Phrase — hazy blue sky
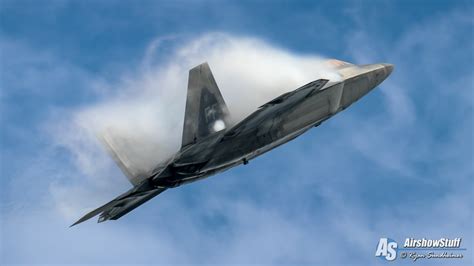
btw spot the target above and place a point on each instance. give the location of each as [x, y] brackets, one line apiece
[398, 163]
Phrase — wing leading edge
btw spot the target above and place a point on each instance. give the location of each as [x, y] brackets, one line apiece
[124, 203]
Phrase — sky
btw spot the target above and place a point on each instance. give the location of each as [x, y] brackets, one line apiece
[398, 163]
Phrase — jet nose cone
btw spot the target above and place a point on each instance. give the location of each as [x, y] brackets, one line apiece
[388, 69]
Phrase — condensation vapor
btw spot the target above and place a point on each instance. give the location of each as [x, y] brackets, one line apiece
[143, 115]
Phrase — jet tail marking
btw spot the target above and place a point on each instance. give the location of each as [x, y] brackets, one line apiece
[206, 111]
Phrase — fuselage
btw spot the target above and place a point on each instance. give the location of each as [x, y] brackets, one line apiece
[211, 145]
[274, 123]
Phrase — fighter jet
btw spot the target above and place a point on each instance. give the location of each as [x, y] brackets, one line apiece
[211, 144]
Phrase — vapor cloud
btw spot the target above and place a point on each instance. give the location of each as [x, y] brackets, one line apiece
[144, 112]
[396, 164]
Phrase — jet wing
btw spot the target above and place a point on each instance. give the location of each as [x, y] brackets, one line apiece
[127, 204]
[309, 89]
[124, 203]
[282, 102]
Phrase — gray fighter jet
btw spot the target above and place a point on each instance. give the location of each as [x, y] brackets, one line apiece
[210, 144]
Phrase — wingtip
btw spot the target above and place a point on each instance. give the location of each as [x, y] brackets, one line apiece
[74, 224]
[83, 218]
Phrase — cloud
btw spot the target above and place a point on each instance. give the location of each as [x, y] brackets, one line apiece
[144, 112]
[381, 168]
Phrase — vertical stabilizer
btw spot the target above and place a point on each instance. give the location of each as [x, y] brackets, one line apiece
[123, 152]
[206, 111]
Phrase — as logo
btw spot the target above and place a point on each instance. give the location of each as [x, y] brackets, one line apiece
[387, 248]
